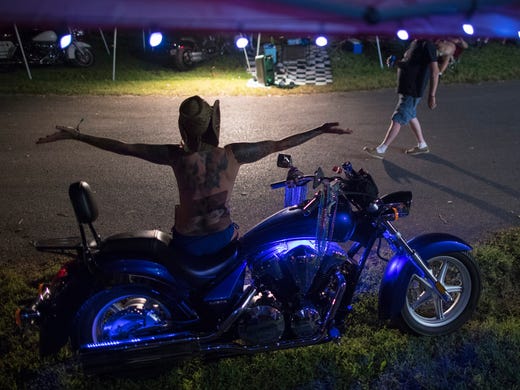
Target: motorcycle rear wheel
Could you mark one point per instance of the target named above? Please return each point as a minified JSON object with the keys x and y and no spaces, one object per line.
{"x":425,"y":313}
{"x":183,"y":59}
{"x":121,"y":313}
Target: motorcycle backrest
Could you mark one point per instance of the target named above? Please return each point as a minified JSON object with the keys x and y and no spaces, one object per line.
{"x":83,"y":202}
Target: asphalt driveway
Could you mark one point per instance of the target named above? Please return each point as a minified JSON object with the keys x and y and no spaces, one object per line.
{"x":469,"y":185}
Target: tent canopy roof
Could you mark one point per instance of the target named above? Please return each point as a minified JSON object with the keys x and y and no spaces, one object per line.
{"x":490,"y":18}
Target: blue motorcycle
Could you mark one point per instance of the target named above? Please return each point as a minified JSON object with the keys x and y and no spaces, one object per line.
{"x":131,"y":299}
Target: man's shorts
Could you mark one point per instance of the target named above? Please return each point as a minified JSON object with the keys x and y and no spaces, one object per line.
{"x":405,"y":109}
{"x":203,"y":245}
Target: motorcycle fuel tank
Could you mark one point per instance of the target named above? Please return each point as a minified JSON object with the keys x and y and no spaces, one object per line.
{"x":292,"y":223}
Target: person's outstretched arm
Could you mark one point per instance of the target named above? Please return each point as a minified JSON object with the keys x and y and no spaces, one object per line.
{"x":158,"y":154}
{"x":246,"y":152}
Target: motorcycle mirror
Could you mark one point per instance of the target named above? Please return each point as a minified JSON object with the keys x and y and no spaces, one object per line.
{"x":65,"y":41}
{"x":318,"y":176}
{"x":284,"y":161}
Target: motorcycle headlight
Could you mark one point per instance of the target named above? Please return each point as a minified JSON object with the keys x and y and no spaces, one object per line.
{"x":65,"y":41}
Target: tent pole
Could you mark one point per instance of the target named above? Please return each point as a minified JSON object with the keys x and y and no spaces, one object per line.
{"x":104,"y":41}
{"x":23,"y":52}
{"x":379,"y":52}
{"x":114,"y":60}
{"x":258,"y":44}
{"x":247,"y":60}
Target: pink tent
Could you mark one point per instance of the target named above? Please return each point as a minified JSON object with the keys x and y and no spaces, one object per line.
{"x":490,"y":18}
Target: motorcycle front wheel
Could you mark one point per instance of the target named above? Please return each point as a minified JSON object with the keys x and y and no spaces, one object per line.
{"x":83,"y":58}
{"x":425,"y":313}
{"x":121,"y":313}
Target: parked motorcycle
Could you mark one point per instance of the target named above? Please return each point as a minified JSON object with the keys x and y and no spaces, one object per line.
{"x":132,"y":298}
{"x":187,"y":51}
{"x":45,"y":48}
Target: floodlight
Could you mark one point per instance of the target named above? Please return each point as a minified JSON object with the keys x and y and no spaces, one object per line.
{"x":402,"y":35}
{"x":155,"y":39}
{"x":321,"y":41}
{"x":468,"y":28}
{"x":241,"y":42}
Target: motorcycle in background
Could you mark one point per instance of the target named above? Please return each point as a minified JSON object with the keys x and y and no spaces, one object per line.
{"x":131,"y":299}
{"x":45,"y":47}
{"x":187,"y":51}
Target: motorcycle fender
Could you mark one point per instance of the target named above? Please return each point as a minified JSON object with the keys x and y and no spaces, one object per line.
{"x":58,"y":311}
{"x":139,"y":270}
{"x":400,"y":269}
{"x":71,"y":49}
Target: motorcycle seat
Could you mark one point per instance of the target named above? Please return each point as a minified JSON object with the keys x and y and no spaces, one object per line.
{"x":200,"y":269}
{"x":154,"y":245}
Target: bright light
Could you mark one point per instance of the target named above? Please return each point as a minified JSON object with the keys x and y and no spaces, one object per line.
{"x":468,"y":28}
{"x":518,"y":34}
{"x":155,"y":39}
{"x":321,"y":41}
{"x":241,"y":42}
{"x":65,"y":41}
{"x":403,"y":35}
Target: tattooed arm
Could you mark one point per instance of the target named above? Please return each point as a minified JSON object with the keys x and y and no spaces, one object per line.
{"x":158,"y":154}
{"x":251,"y":152}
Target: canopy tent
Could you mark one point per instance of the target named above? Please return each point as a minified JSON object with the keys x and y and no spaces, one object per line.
{"x":490,"y":18}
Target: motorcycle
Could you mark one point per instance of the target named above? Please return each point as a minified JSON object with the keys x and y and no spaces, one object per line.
{"x":187,"y":51}
{"x":132,"y":298}
{"x":45,"y":48}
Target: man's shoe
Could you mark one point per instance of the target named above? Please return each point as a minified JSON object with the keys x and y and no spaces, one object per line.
{"x":374,"y":153}
{"x":417,"y":150}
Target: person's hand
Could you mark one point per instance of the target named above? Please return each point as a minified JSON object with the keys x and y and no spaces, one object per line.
{"x":332,"y":128}
{"x":64,"y":132}
{"x":432,"y":102}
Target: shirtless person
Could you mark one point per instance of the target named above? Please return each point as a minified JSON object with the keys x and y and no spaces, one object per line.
{"x":205,"y":172}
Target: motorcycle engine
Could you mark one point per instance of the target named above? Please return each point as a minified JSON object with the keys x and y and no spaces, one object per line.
{"x":287,"y":270}
{"x":293,"y":274}
{"x":262,"y":324}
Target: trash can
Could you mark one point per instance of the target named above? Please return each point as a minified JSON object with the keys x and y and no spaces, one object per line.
{"x":264,"y":70}
{"x":270,"y":50}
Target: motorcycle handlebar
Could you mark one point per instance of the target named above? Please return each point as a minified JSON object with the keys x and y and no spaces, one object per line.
{"x":301,"y":181}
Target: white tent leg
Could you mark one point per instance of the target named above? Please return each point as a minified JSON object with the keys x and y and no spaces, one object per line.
{"x":379,"y":52}
{"x":114,"y":59}
{"x":23,"y":52}
{"x":258,"y":44}
{"x":104,"y":41}
{"x":247,"y":61}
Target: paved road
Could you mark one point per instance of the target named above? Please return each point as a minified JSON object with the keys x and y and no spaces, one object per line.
{"x":468,"y":185}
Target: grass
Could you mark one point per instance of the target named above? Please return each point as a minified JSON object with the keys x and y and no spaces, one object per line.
{"x":483,"y":354}
{"x":137,"y":74}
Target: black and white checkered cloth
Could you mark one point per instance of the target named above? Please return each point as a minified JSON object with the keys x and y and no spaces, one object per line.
{"x":313,"y":68}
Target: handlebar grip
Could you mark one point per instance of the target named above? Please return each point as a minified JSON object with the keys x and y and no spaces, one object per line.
{"x":278,"y":184}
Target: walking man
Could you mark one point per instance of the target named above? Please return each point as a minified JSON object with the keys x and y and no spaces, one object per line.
{"x":418,"y":66}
